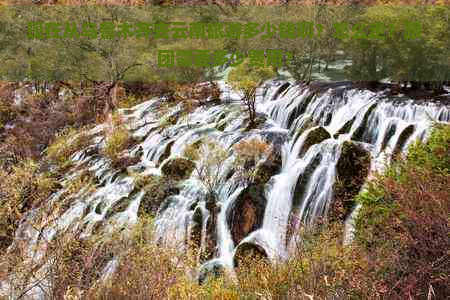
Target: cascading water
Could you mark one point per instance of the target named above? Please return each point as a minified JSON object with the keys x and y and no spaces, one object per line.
{"x":298,"y":195}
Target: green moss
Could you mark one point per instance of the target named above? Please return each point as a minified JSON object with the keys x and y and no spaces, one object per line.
{"x":346,"y":128}
{"x":358,"y":134}
{"x":168,"y":121}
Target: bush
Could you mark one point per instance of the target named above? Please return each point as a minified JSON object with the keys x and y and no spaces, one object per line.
{"x":435,"y":153}
{"x":145,"y":270}
{"x":117,"y":140}
{"x":403,"y":223}
{"x":21,"y":190}
{"x":67,"y":142}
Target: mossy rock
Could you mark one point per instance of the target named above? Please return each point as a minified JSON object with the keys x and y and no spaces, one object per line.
{"x":314,"y":137}
{"x":267,"y":169}
{"x":157,"y":189}
{"x":300,"y":109}
{"x":247,"y":253}
{"x":345,"y":128}
{"x":390,"y":133}
{"x":119,"y":206}
{"x":99,"y":207}
{"x":352,"y":169}
{"x":221,"y":126}
{"x":166,"y":153}
{"x":299,"y":192}
{"x":178,"y":168}
{"x":211,"y":227}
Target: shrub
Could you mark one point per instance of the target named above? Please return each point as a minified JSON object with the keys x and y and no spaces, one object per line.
{"x":403,"y":223}
{"x":67,"y":142}
{"x":145,"y":271}
{"x":435,"y":153}
{"x":20,"y":190}
{"x":117,"y":140}
{"x":129,"y":101}
{"x":210,"y":156}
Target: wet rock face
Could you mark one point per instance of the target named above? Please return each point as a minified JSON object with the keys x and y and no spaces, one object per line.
{"x":178,"y":168}
{"x":299,"y":110}
{"x":307,"y":124}
{"x":196,"y":230}
{"x":315,"y":136}
{"x":402,"y":139}
{"x":358,"y":135}
{"x":211,"y":225}
{"x":247,"y":212}
{"x":299,"y":192}
{"x":352,"y":169}
{"x":247,"y":252}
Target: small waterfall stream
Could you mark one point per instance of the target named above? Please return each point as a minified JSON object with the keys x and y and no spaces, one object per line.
{"x":298,"y":195}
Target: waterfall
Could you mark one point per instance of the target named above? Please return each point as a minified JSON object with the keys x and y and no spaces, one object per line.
{"x":300,"y":194}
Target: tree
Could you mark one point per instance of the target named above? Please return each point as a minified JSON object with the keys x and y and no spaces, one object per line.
{"x":246,"y":79}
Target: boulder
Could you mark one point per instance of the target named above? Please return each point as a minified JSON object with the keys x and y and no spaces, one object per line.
{"x":211,"y":228}
{"x":177,"y":168}
{"x":248,"y":252}
{"x":315,"y":136}
{"x":307,"y":123}
{"x":166,"y":153}
{"x":157,"y":189}
{"x":392,"y":128}
{"x":300,"y":109}
{"x":211,"y":269}
{"x":265,"y":170}
{"x":352,"y":169}
{"x":345,"y":128}
{"x":247,"y":212}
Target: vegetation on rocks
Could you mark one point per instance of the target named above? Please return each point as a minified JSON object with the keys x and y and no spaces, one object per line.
{"x":352,"y":169}
{"x":156,"y":189}
{"x":246,"y":79}
{"x":177,"y":168}
{"x":67,"y":143}
{"x":315,"y":136}
{"x":117,"y":140}
{"x":21,"y":189}
{"x":399,"y":251}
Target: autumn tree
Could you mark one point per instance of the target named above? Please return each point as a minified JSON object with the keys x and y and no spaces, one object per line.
{"x":246,"y":79}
